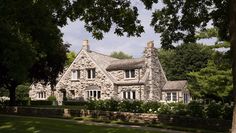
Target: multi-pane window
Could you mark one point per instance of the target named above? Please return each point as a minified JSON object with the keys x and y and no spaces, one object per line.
{"x":129,"y":95}
{"x":130,"y":73}
{"x":186,"y":98}
{"x":41,"y":95}
{"x":171,"y":96}
{"x":93,"y":94}
{"x":168,"y":96}
{"x":75,"y":74}
{"x":174,"y":96}
{"x":91,"y":73}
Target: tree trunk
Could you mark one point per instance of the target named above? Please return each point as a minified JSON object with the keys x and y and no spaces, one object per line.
{"x":232,"y":31}
{"x":12,"y":91}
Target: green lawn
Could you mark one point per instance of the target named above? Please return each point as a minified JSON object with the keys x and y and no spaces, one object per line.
{"x":12,"y":124}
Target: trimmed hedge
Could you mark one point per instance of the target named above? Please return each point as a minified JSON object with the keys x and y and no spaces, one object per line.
{"x":40,"y":102}
{"x":198,"y":109}
{"x":74,"y":103}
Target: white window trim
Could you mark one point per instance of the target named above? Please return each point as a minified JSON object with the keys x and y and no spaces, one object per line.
{"x":129,"y":74}
{"x":91,"y":73}
{"x":90,"y":94}
{"x":126,"y":95}
{"x":171,"y":97}
{"x":74,"y":74}
{"x":41,"y":95}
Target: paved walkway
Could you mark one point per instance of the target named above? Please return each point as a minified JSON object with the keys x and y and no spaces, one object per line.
{"x":107,"y":124}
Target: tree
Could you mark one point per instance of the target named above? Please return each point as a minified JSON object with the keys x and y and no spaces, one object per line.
{"x":213,"y":81}
{"x":181,"y":19}
{"x":185,"y":58}
{"x":22,"y":92}
{"x":70,"y":58}
{"x":120,"y":55}
{"x":31,"y":47}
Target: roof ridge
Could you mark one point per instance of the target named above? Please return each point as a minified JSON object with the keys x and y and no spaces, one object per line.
{"x":103,"y":54}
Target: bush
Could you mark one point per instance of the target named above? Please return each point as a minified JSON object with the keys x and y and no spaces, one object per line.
{"x":111,"y":105}
{"x":196,"y":109}
{"x":178,"y":108}
{"x":164,"y":109}
{"x":151,"y":107}
{"x":214,"y":110}
{"x":130,"y":106}
{"x":193,"y":109}
{"x":228,"y":111}
{"x":52,"y":98}
{"x":40,"y":102}
{"x":74,"y":103}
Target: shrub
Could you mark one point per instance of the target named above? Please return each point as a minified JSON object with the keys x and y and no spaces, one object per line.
{"x":52,"y":98}
{"x":130,"y":106}
{"x":111,"y":105}
{"x":196,"y":109}
{"x":228,"y":111}
{"x":40,"y":102}
{"x":214,"y":110}
{"x":151,"y":106}
{"x":164,"y":109}
{"x":178,"y":108}
{"x":74,"y":103}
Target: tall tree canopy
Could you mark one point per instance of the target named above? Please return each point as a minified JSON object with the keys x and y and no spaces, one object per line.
{"x":29,"y":30}
{"x":120,"y":55}
{"x":31,"y":46}
{"x":185,"y":58}
{"x":180,"y":20}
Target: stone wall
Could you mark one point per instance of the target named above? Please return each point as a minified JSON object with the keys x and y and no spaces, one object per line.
{"x":190,"y":122}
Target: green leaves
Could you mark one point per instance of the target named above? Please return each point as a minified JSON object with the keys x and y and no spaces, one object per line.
{"x":120,"y":55}
{"x":102,"y":15}
{"x":183,"y":59}
{"x":211,"y":82}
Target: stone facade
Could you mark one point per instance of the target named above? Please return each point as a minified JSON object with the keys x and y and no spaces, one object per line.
{"x":96,"y":76}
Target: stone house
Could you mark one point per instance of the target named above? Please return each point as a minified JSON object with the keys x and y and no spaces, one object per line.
{"x":94,"y":75}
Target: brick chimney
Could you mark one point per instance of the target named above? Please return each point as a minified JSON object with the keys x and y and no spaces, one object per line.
{"x":85,"y":45}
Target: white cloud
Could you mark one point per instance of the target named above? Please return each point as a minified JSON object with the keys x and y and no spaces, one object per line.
{"x":74,"y":33}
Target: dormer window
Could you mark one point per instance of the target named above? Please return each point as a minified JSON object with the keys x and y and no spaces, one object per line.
{"x":130,"y":74}
{"x":91,"y":73}
{"x":75,"y":74}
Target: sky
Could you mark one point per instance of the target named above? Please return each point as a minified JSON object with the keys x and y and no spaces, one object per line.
{"x":75,"y":33}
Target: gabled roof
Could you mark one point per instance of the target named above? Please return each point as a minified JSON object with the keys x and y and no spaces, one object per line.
{"x":102,"y":60}
{"x":175,"y":85}
{"x":126,"y":64}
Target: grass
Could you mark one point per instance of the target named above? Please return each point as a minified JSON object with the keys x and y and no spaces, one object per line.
{"x":11,"y":124}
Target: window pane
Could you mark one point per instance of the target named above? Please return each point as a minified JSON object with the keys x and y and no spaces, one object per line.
{"x":126,"y":73}
{"x":89,"y":73}
{"x":94,"y":93}
{"x":99,"y":94}
{"x":91,"y":93}
{"x":174,"y":97}
{"x":73,"y":75}
{"x":78,"y":74}
{"x":132,"y":73}
{"x":128,"y":94}
{"x":93,"y":73}
{"x":124,"y":95}
{"x":168,"y":96}
{"x":134,"y":96}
